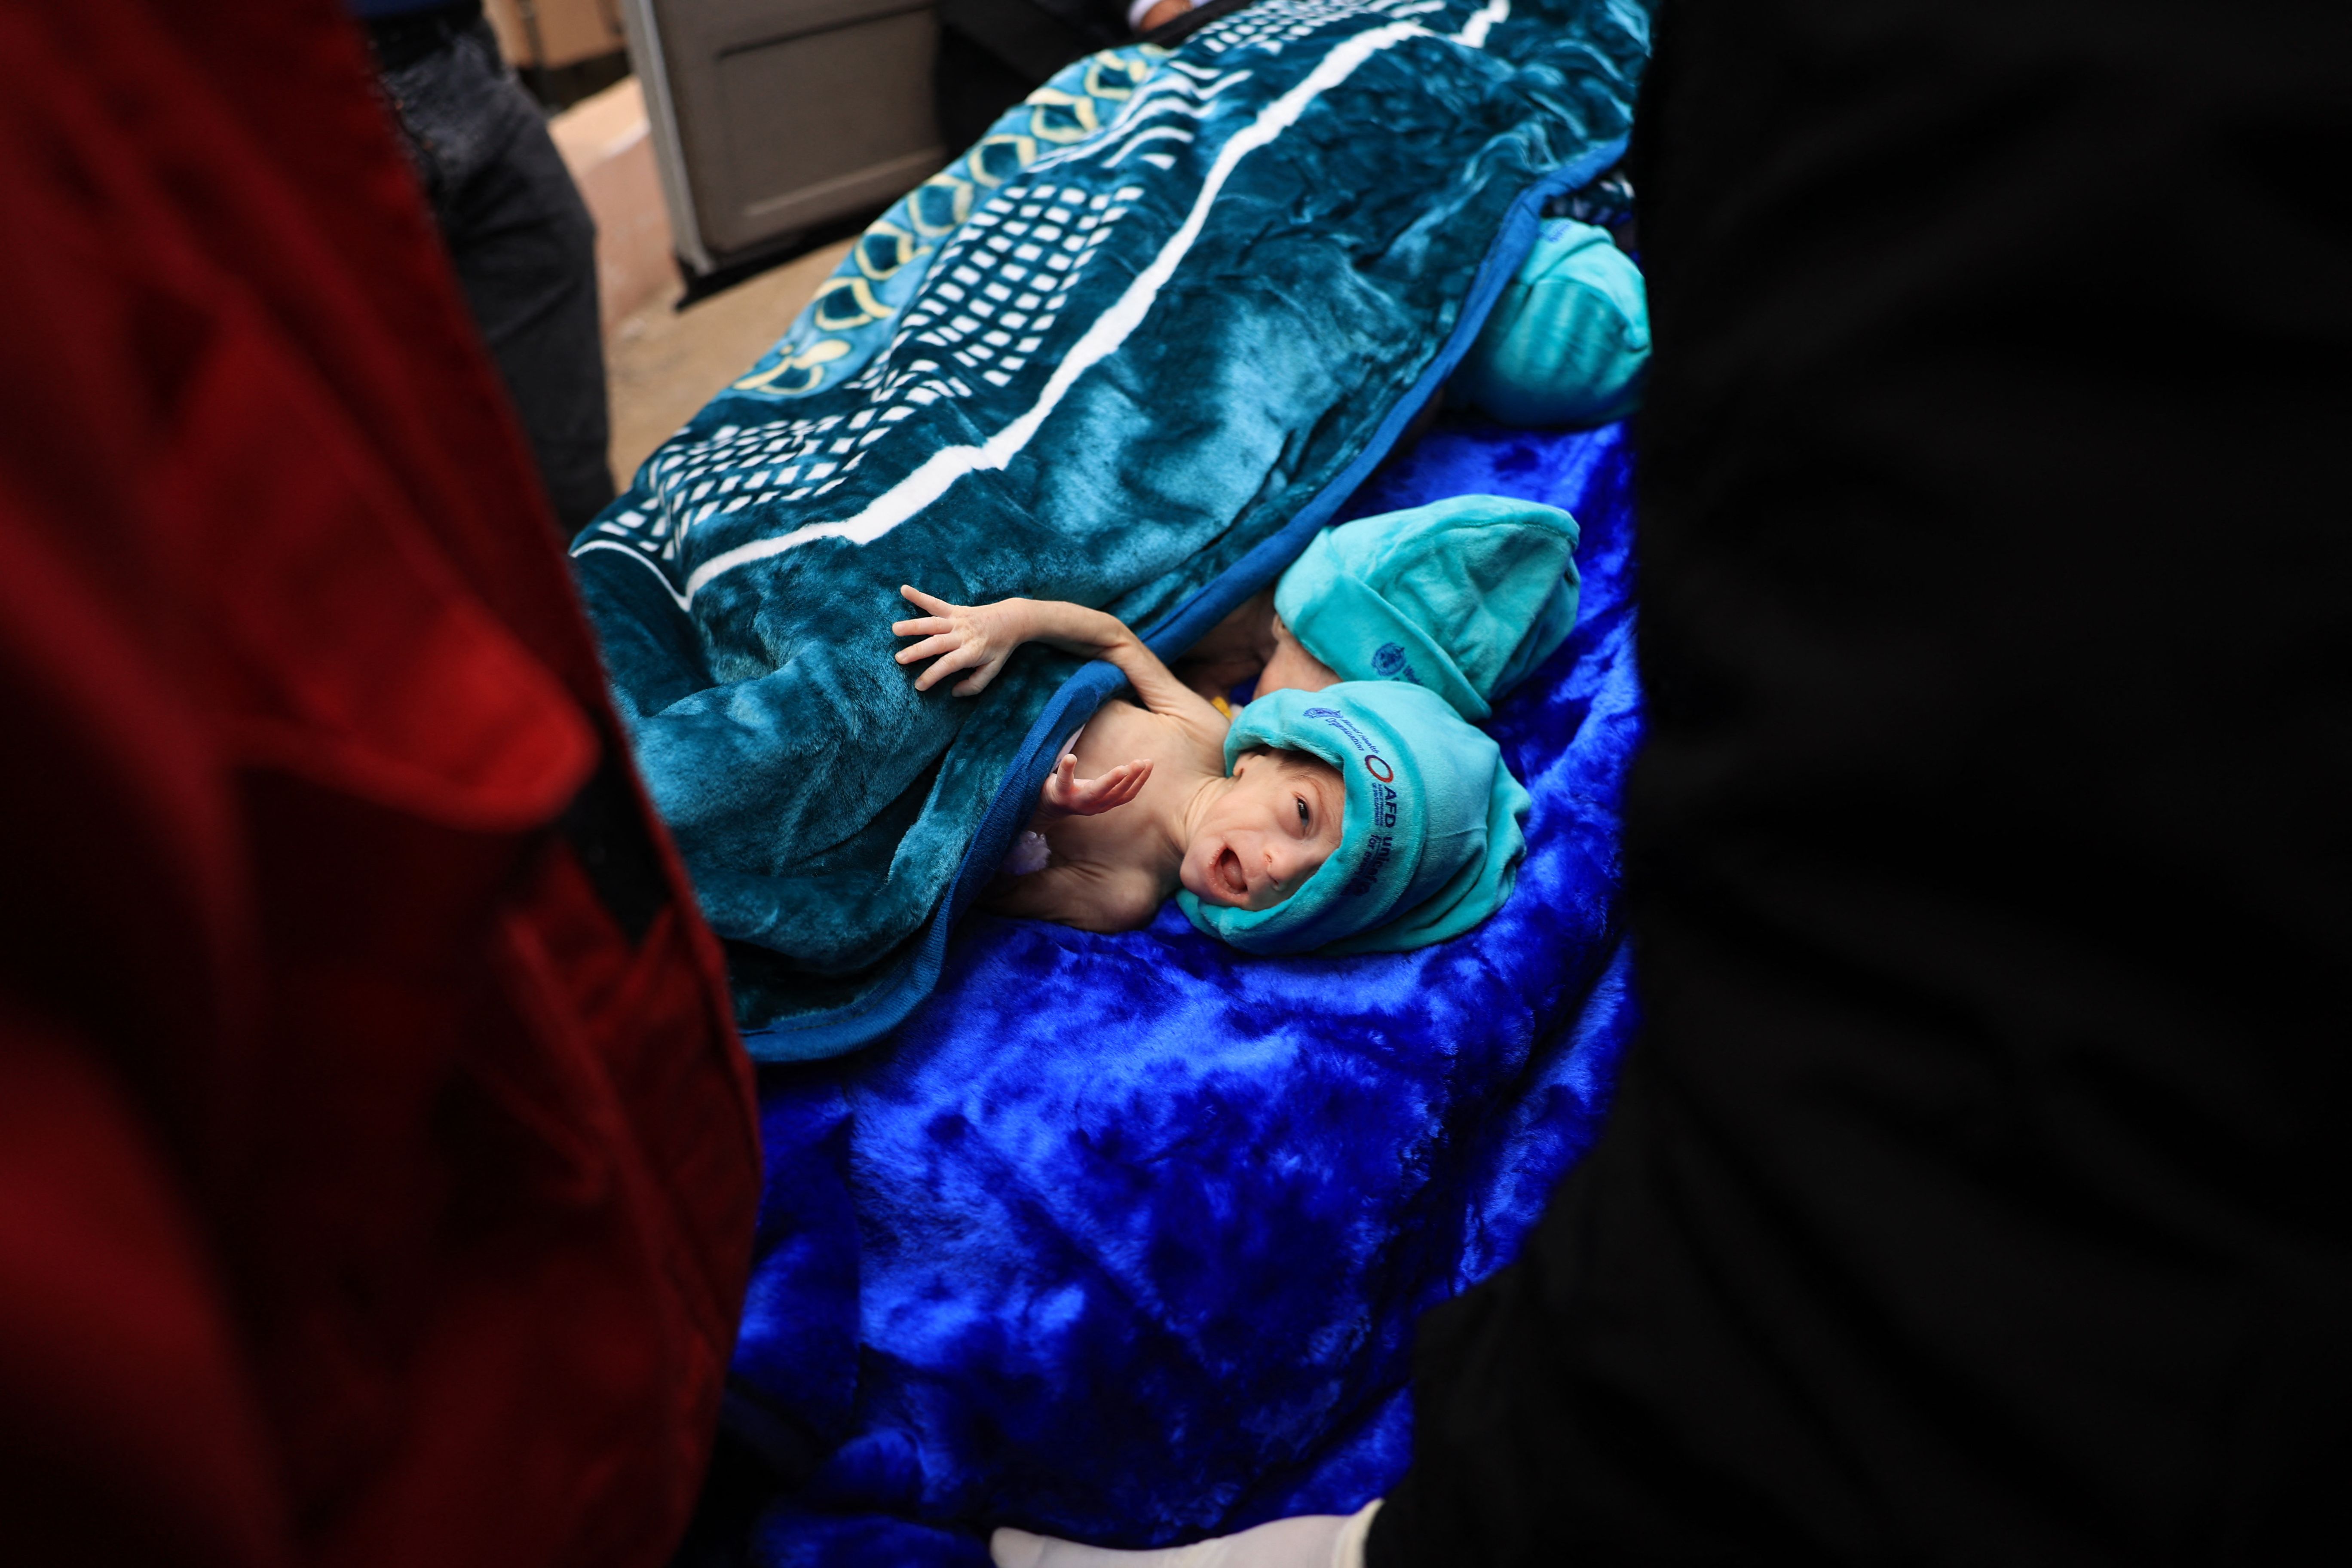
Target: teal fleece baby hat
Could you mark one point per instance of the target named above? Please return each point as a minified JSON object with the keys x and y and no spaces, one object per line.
{"x":1430,"y":842}
{"x":1463,"y":596}
{"x":1568,"y":341}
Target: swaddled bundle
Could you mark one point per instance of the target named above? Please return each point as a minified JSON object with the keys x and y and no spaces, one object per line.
{"x":1567,"y":345}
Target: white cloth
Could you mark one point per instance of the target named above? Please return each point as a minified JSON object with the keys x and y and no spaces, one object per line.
{"x":1310,"y":1541}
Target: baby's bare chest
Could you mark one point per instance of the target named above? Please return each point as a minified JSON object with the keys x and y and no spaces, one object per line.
{"x":1123,"y":732}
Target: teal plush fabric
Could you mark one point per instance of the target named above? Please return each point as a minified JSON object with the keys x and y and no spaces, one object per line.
{"x":1132,"y":350}
{"x":1569,"y":342}
{"x":1431,"y":843}
{"x":1463,"y":596}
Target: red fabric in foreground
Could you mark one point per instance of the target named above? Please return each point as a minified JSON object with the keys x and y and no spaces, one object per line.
{"x":366,"y":1194}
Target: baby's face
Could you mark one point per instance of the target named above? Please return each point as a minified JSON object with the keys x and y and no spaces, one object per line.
{"x":1277,"y":822}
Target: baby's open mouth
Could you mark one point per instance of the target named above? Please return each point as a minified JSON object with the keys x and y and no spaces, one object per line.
{"x":1226,"y":871}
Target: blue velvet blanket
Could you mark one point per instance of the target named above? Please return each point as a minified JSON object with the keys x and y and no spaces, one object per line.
{"x":1132,"y":350}
{"x":1123,"y":1237}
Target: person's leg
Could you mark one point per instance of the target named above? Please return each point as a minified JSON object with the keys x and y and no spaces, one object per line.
{"x":525,"y":252}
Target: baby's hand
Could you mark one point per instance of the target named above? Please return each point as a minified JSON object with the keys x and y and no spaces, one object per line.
{"x":1067,"y":795}
{"x":978,"y":638}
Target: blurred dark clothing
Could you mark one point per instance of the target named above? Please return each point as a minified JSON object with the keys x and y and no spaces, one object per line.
{"x":377,"y":1162}
{"x":1978,"y":1191}
{"x":402,"y":32}
{"x":519,"y":236}
{"x":371,"y":10}
{"x":994,"y":53}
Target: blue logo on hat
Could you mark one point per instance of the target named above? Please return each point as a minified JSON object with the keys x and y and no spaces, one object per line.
{"x":1339,"y":720}
{"x":1389,"y":662}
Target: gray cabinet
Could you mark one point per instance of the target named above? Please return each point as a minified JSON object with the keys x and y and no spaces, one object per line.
{"x":772,"y":117}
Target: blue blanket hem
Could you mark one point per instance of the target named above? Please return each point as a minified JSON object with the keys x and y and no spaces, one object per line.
{"x":814,"y":1036}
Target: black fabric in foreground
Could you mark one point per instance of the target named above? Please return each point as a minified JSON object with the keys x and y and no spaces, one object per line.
{"x":993,"y":53}
{"x":1976,"y":1193}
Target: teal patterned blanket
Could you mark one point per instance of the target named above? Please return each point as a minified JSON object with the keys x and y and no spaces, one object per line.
{"x":1132,"y":350}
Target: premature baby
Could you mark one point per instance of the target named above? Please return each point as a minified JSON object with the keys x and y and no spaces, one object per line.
{"x":1142,"y":802}
{"x":1350,"y":806}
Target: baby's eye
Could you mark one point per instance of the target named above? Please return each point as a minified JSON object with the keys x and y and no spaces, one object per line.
{"x":1301,"y":802}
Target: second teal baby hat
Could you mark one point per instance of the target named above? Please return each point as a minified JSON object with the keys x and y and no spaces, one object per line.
{"x":1431,"y":842}
{"x":1569,"y":341}
{"x":1464,"y":595}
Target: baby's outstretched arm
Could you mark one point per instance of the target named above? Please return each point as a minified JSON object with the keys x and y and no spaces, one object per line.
{"x":980,"y":637}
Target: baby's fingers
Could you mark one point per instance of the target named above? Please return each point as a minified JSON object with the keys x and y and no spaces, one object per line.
{"x":928,"y":648}
{"x":961,"y":657}
{"x":927,"y":625}
{"x":1124,"y":783}
{"x":979,"y":682}
{"x":1110,"y":781}
{"x":916,"y":596}
{"x":1110,"y":790}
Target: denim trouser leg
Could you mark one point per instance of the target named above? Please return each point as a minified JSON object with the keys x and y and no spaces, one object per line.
{"x":525,"y":252}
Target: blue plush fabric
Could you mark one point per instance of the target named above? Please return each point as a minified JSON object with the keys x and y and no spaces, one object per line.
{"x":1124,"y":1237}
{"x":1131,"y":351}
